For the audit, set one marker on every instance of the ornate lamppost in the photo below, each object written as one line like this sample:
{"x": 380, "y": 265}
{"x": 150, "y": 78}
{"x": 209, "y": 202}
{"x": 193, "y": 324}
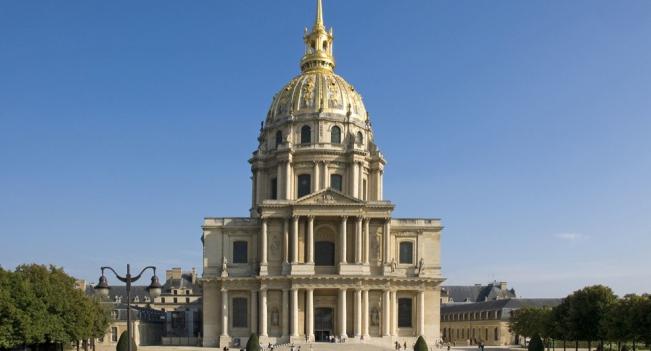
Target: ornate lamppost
{"x": 154, "y": 290}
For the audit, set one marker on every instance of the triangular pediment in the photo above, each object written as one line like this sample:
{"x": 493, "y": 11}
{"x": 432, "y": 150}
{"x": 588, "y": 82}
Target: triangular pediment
{"x": 328, "y": 197}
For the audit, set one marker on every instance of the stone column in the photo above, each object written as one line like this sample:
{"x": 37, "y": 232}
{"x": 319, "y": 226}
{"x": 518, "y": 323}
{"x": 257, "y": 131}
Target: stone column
{"x": 286, "y": 241}
{"x": 317, "y": 181}
{"x": 310, "y": 240}
{"x": 421, "y": 312}
{"x": 367, "y": 239}
{"x": 224, "y": 312}
{"x": 387, "y": 241}
{"x": 365, "y": 315}
{"x": 263, "y": 312}
{"x": 259, "y": 186}
{"x": 394, "y": 313}
{"x": 342, "y": 240}
{"x": 295, "y": 239}
{"x": 288, "y": 181}
{"x": 254, "y": 312}
{"x": 294, "y": 312}
{"x": 380, "y": 185}
{"x": 310, "y": 314}
{"x": 355, "y": 181}
{"x": 263, "y": 243}
{"x": 342, "y": 314}
{"x": 385, "y": 314}
{"x": 358, "y": 313}
{"x": 279, "y": 179}
{"x": 326, "y": 175}
{"x": 285, "y": 316}
{"x": 358, "y": 240}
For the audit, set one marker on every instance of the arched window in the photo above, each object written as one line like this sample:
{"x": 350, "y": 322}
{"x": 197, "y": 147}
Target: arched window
{"x": 335, "y": 135}
{"x": 359, "y": 139}
{"x": 304, "y": 184}
{"x": 306, "y": 135}
{"x": 324, "y": 253}
{"x": 279, "y": 138}
{"x": 336, "y": 182}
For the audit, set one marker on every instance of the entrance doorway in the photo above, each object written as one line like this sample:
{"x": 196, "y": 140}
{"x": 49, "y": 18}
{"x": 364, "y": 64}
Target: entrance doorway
{"x": 323, "y": 324}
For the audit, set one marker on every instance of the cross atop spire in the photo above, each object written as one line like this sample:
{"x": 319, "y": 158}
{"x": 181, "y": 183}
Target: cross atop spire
{"x": 318, "y": 45}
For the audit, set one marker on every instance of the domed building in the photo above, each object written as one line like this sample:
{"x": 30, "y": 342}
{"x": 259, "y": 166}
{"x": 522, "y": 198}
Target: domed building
{"x": 320, "y": 257}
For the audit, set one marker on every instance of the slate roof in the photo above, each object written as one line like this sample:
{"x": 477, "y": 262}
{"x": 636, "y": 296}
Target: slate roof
{"x": 477, "y": 293}
{"x": 185, "y": 282}
{"x": 118, "y": 293}
{"x": 505, "y": 304}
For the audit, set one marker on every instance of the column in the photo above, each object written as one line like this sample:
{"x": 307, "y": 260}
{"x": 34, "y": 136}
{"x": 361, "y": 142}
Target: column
{"x": 358, "y": 313}
{"x": 342, "y": 240}
{"x": 380, "y": 185}
{"x": 310, "y": 240}
{"x": 263, "y": 244}
{"x": 385, "y": 313}
{"x": 367, "y": 239}
{"x": 263, "y": 312}
{"x": 355, "y": 180}
{"x": 394, "y": 313}
{"x": 326, "y": 175}
{"x": 259, "y": 194}
{"x": 365, "y": 315}
{"x": 254, "y": 312}
{"x": 295, "y": 239}
{"x": 317, "y": 183}
{"x": 358, "y": 240}
{"x": 294, "y": 312}
{"x": 342, "y": 314}
{"x": 279, "y": 179}
{"x": 421, "y": 312}
{"x": 286, "y": 241}
{"x": 360, "y": 180}
{"x": 387, "y": 240}
{"x": 224, "y": 312}
{"x": 285, "y": 317}
{"x": 310, "y": 314}
{"x": 288, "y": 180}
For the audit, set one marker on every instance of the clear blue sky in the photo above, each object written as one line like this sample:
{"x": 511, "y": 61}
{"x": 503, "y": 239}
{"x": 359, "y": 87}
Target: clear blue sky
{"x": 524, "y": 125}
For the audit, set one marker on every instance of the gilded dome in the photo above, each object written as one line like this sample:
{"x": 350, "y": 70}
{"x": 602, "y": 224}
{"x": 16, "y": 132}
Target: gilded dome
{"x": 317, "y": 91}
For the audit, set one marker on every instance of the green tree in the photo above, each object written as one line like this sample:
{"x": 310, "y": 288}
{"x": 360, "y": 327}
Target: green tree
{"x": 536, "y": 344}
{"x": 420, "y": 345}
{"x": 122, "y": 343}
{"x": 530, "y": 321}
{"x": 588, "y": 307}
{"x": 253, "y": 344}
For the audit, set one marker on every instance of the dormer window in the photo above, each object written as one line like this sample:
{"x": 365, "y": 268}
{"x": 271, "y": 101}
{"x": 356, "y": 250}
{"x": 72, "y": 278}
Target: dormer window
{"x": 306, "y": 135}
{"x": 359, "y": 139}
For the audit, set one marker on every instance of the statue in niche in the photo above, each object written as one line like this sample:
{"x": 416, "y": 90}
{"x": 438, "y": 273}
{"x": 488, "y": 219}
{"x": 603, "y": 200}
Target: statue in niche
{"x": 224, "y": 267}
{"x": 421, "y": 266}
{"x": 375, "y": 316}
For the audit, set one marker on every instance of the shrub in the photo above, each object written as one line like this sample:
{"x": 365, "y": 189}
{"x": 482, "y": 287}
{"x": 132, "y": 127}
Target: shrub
{"x": 253, "y": 344}
{"x": 420, "y": 345}
{"x": 122, "y": 343}
{"x": 536, "y": 344}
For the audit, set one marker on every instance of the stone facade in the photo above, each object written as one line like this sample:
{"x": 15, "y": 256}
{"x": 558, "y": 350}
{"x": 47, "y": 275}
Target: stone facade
{"x": 320, "y": 255}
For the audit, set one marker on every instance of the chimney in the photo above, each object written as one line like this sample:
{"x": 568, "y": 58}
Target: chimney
{"x": 502, "y": 285}
{"x": 194, "y": 275}
{"x": 174, "y": 273}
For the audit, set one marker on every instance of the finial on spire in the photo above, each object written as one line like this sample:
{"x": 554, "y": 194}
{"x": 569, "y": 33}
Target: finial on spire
{"x": 318, "y": 22}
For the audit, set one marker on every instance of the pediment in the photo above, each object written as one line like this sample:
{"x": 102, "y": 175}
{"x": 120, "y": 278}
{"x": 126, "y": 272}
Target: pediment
{"x": 328, "y": 197}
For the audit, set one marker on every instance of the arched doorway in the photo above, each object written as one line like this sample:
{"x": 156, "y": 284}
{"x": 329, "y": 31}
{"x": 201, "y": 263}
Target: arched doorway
{"x": 323, "y": 323}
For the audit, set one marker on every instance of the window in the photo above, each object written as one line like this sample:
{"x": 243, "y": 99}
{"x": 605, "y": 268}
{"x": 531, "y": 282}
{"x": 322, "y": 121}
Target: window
{"x": 162, "y": 300}
{"x": 304, "y": 184}
{"x": 114, "y": 334}
{"x": 187, "y": 300}
{"x": 359, "y": 139}
{"x": 240, "y": 312}
{"x": 187, "y": 292}
{"x": 335, "y": 135}
{"x": 274, "y": 188}
{"x": 364, "y": 189}
{"x": 324, "y": 253}
{"x": 306, "y": 135}
{"x": 175, "y": 301}
{"x": 336, "y": 182}
{"x": 497, "y": 334}
{"x": 406, "y": 252}
{"x": 240, "y": 252}
{"x": 404, "y": 313}
{"x": 279, "y": 138}
{"x": 176, "y": 292}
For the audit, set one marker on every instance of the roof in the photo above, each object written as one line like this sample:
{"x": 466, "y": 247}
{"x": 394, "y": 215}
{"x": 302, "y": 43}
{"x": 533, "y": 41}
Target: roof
{"x": 498, "y": 305}
{"x": 118, "y": 293}
{"x": 478, "y": 293}
{"x": 185, "y": 282}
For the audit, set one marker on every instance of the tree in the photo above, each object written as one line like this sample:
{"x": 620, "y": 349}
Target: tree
{"x": 253, "y": 344}
{"x": 420, "y": 345}
{"x": 536, "y": 344}
{"x": 530, "y": 321}
{"x": 588, "y": 307}
{"x": 122, "y": 343}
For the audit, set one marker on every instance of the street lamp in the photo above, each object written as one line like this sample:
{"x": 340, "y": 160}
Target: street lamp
{"x": 154, "y": 290}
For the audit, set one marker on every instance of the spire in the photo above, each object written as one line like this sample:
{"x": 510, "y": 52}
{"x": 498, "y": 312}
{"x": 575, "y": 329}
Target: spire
{"x": 318, "y": 22}
{"x": 318, "y": 45}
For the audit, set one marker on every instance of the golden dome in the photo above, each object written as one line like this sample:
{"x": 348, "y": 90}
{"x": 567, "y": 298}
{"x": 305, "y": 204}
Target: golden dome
{"x": 317, "y": 91}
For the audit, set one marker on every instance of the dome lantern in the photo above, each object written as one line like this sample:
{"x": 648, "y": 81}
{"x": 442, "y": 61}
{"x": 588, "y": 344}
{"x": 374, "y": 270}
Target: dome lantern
{"x": 318, "y": 45}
